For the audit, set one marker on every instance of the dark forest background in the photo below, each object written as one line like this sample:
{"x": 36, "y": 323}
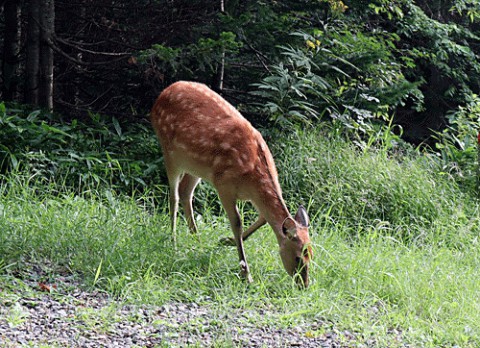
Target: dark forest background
{"x": 279, "y": 62}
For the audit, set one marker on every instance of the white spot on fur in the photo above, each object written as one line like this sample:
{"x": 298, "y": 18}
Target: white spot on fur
{"x": 196, "y": 86}
{"x": 271, "y": 192}
{"x": 206, "y": 142}
{"x": 225, "y": 146}
{"x": 228, "y": 109}
{"x": 201, "y": 117}
{"x": 217, "y": 160}
{"x": 179, "y": 144}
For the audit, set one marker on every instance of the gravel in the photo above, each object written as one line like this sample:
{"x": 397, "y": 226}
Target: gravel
{"x": 38, "y": 315}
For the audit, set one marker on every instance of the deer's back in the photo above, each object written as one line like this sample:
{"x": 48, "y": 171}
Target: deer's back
{"x": 206, "y": 136}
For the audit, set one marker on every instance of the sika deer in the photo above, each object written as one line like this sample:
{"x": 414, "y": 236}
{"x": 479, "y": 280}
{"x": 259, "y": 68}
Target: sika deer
{"x": 203, "y": 136}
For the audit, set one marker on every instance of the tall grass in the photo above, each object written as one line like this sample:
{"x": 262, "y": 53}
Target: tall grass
{"x": 395, "y": 245}
{"x": 399, "y": 191}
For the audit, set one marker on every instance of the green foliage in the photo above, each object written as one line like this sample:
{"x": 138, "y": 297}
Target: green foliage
{"x": 392, "y": 9}
{"x": 458, "y": 147}
{"x": 349, "y": 76}
{"x": 359, "y": 62}
{"x": 289, "y": 91}
{"x": 248, "y": 32}
{"x": 80, "y": 154}
{"x": 376, "y": 59}
{"x": 192, "y": 61}
{"x": 445, "y": 46}
{"x": 168, "y": 58}
{"x": 467, "y": 8}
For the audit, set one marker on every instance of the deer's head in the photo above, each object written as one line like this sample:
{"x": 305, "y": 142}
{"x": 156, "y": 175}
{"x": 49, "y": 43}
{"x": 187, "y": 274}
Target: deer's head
{"x": 295, "y": 248}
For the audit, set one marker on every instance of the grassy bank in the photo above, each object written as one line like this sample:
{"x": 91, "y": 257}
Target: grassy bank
{"x": 395, "y": 244}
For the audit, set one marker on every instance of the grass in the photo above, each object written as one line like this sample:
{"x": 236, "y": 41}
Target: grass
{"x": 396, "y": 247}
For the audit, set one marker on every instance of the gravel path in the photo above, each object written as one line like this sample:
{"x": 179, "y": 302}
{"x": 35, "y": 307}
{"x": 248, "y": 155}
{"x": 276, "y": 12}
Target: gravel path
{"x": 38, "y": 315}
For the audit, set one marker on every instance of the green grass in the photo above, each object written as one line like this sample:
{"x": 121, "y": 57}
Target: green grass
{"x": 395, "y": 241}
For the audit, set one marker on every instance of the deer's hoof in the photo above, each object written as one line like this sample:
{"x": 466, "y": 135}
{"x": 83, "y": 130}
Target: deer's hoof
{"x": 244, "y": 273}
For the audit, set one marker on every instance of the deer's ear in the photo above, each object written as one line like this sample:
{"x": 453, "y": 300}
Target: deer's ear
{"x": 289, "y": 228}
{"x": 302, "y": 217}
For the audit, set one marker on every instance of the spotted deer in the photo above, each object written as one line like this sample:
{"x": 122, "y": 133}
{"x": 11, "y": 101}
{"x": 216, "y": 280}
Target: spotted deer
{"x": 202, "y": 136}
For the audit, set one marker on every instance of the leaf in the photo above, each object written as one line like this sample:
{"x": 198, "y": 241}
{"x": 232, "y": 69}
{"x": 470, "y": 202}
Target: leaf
{"x": 33, "y": 115}
{"x": 49, "y": 128}
{"x": 118, "y": 129}
{"x": 97, "y": 273}
{"x": 14, "y": 161}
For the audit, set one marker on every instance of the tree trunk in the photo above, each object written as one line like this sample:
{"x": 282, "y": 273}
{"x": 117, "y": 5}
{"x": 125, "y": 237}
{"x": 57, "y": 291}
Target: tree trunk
{"x": 33, "y": 53}
{"x": 47, "y": 17}
{"x": 221, "y": 65}
{"x": 11, "y": 49}
{"x": 77, "y": 82}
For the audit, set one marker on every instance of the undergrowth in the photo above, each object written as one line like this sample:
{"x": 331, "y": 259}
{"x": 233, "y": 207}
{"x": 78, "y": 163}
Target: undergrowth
{"x": 79, "y": 155}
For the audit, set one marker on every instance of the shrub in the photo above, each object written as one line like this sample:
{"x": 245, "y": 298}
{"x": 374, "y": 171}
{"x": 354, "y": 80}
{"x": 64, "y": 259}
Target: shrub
{"x": 353, "y": 78}
{"x": 456, "y": 146}
{"x": 78, "y": 154}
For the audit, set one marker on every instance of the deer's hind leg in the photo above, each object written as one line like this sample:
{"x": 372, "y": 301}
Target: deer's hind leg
{"x": 174, "y": 176}
{"x": 255, "y": 226}
{"x": 185, "y": 190}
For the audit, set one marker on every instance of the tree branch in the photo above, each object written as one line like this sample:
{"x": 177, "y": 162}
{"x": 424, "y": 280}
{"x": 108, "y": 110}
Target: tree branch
{"x": 260, "y": 56}
{"x": 78, "y": 61}
{"x": 77, "y": 45}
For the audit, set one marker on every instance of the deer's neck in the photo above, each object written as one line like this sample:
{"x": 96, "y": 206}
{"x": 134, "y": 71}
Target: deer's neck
{"x": 269, "y": 200}
{"x": 271, "y": 206}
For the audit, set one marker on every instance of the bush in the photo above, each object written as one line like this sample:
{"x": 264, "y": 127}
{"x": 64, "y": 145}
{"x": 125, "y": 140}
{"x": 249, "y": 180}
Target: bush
{"x": 353, "y": 78}
{"x": 79, "y": 155}
{"x": 457, "y": 147}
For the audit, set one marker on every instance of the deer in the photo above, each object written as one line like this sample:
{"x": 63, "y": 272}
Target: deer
{"x": 202, "y": 136}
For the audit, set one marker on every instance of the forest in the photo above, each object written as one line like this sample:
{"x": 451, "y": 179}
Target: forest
{"x": 280, "y": 63}
{"x": 370, "y": 109}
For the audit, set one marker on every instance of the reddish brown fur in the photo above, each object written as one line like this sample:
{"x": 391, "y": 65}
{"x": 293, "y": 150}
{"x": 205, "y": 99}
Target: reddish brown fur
{"x": 203, "y": 136}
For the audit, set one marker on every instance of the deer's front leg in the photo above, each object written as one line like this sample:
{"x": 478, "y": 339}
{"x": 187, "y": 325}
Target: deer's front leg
{"x": 236, "y": 223}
